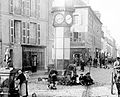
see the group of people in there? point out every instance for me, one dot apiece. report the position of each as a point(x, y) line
point(19, 84)
point(85, 79)
point(52, 79)
point(80, 62)
point(92, 62)
point(70, 78)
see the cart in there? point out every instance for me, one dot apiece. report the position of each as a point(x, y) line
point(7, 83)
point(113, 80)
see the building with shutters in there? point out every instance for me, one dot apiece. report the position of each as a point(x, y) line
point(85, 33)
point(24, 32)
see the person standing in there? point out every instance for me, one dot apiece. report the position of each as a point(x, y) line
point(90, 61)
point(23, 83)
point(117, 81)
point(82, 65)
point(95, 62)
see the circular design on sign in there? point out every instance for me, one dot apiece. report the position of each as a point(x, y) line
point(59, 18)
point(68, 19)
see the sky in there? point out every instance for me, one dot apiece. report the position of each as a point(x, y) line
point(110, 15)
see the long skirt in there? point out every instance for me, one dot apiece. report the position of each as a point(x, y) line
point(118, 87)
point(24, 89)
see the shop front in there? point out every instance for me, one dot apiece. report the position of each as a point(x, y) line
point(33, 58)
point(78, 53)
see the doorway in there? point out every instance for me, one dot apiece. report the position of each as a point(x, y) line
point(34, 63)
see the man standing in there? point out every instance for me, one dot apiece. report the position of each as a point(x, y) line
point(117, 81)
point(82, 65)
point(90, 61)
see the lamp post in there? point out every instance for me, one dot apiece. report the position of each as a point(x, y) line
point(62, 21)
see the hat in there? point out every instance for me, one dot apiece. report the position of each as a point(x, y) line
point(87, 73)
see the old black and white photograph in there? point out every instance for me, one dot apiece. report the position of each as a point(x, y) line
point(59, 48)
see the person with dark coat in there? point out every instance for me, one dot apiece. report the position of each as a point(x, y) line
point(95, 62)
point(52, 78)
point(117, 81)
point(87, 79)
point(81, 79)
point(90, 61)
point(82, 65)
point(23, 83)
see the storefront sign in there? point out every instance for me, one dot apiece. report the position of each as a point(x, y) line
point(26, 49)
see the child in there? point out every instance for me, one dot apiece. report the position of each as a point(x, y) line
point(52, 79)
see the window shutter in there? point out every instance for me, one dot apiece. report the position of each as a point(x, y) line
point(28, 33)
point(11, 6)
point(11, 31)
point(38, 34)
point(27, 8)
point(23, 32)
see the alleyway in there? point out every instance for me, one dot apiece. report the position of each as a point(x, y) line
point(102, 87)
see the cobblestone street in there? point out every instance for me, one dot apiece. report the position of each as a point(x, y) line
point(102, 86)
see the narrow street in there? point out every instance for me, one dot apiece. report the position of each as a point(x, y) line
point(102, 86)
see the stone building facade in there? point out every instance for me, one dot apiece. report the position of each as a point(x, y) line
point(85, 33)
point(24, 32)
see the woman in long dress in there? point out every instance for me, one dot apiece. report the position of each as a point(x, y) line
point(23, 84)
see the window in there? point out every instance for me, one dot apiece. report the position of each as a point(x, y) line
point(76, 19)
point(11, 31)
point(76, 35)
point(26, 7)
point(70, 39)
point(38, 8)
point(23, 32)
point(33, 33)
point(33, 8)
point(79, 39)
point(79, 34)
point(11, 6)
point(38, 33)
point(18, 7)
point(17, 31)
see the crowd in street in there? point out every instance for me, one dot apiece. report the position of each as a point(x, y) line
point(70, 76)
point(101, 62)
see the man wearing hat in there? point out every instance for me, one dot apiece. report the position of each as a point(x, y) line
point(87, 79)
point(117, 81)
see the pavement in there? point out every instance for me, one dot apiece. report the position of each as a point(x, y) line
point(101, 88)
